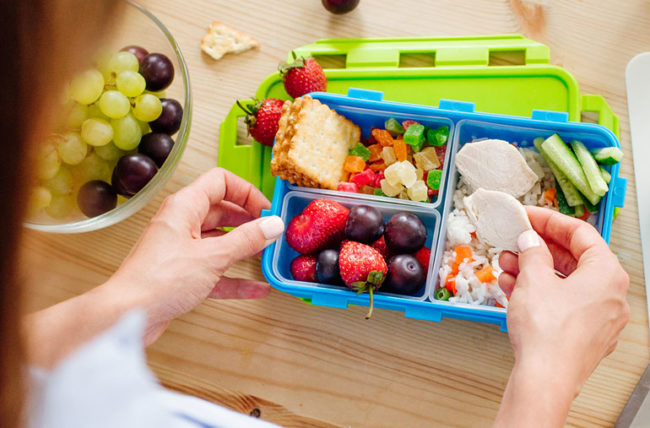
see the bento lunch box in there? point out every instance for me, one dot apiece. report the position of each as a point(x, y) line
point(367, 109)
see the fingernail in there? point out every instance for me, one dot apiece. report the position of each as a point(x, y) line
point(272, 227)
point(528, 239)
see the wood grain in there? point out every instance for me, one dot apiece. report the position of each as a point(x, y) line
point(301, 365)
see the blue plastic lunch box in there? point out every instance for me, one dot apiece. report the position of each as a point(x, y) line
point(367, 109)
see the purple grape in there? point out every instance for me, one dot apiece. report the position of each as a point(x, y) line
point(133, 172)
point(405, 233)
point(157, 146)
point(170, 119)
point(138, 51)
point(365, 224)
point(327, 267)
point(117, 186)
point(157, 70)
point(405, 275)
point(96, 197)
point(340, 6)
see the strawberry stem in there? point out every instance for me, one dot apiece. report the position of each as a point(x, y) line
point(371, 302)
point(246, 110)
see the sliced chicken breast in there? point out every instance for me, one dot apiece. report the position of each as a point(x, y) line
point(495, 165)
point(499, 218)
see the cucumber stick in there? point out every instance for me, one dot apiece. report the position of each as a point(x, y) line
point(566, 162)
point(606, 175)
point(569, 191)
point(562, 204)
point(590, 168)
point(608, 155)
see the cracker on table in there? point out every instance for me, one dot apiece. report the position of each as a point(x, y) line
point(221, 39)
point(312, 143)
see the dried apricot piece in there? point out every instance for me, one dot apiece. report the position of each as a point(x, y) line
point(354, 164)
point(383, 137)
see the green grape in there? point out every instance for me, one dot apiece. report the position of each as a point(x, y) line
point(92, 168)
point(77, 114)
point(71, 148)
point(126, 132)
point(123, 61)
point(60, 206)
point(144, 127)
point(114, 104)
point(62, 183)
point(130, 83)
point(96, 132)
point(147, 108)
point(159, 94)
point(48, 161)
point(86, 87)
point(39, 199)
point(109, 152)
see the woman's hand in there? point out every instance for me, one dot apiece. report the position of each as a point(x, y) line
point(179, 261)
point(560, 328)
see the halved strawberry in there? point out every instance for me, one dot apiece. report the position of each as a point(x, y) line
point(320, 225)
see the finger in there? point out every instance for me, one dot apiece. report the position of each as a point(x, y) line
point(562, 259)
point(507, 283)
point(190, 206)
point(226, 214)
point(575, 235)
point(244, 241)
point(509, 262)
point(239, 288)
point(534, 256)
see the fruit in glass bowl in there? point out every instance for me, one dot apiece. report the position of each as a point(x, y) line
point(105, 147)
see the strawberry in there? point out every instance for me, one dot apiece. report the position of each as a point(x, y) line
point(302, 76)
point(423, 255)
point(262, 119)
point(320, 225)
point(303, 268)
point(380, 245)
point(362, 268)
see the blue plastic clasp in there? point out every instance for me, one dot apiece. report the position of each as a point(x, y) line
point(265, 213)
point(462, 106)
point(423, 313)
point(550, 116)
point(618, 192)
point(365, 94)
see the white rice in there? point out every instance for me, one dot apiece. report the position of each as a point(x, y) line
point(460, 232)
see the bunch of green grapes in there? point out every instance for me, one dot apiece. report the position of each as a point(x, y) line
point(108, 112)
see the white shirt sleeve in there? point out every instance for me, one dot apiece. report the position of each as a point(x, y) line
point(107, 384)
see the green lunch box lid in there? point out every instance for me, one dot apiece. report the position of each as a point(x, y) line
point(504, 74)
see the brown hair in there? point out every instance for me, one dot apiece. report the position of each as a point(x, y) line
point(42, 43)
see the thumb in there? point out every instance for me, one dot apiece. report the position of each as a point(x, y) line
point(534, 255)
point(248, 239)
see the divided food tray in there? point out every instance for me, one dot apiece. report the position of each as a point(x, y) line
point(367, 108)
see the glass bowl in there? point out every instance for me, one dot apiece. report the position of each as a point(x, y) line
point(137, 26)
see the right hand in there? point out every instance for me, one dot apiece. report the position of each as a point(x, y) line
point(567, 325)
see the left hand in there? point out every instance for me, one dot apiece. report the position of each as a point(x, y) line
point(181, 259)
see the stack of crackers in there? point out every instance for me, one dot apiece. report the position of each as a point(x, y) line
point(312, 143)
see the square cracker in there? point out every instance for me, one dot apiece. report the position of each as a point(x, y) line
point(312, 143)
point(221, 39)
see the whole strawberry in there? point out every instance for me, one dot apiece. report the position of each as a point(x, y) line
point(262, 119)
point(363, 268)
point(302, 76)
point(320, 225)
point(303, 268)
point(380, 245)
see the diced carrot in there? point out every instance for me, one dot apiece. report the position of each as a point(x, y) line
point(586, 215)
point(400, 149)
point(450, 284)
point(354, 164)
point(499, 305)
point(454, 268)
point(375, 152)
point(550, 195)
point(486, 274)
point(463, 254)
point(382, 137)
point(377, 166)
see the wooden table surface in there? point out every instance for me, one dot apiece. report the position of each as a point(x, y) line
point(303, 366)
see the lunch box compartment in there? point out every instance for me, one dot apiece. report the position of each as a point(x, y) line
point(367, 119)
point(294, 202)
